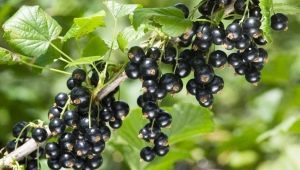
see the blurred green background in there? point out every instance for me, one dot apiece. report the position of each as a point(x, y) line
point(256, 127)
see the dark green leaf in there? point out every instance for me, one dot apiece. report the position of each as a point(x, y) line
point(120, 10)
point(50, 55)
point(95, 47)
point(285, 8)
point(84, 60)
point(170, 19)
point(31, 30)
point(85, 25)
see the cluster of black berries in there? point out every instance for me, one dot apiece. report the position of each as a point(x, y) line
point(21, 131)
point(81, 125)
point(243, 35)
point(155, 87)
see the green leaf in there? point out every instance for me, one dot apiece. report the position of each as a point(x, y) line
point(291, 125)
point(168, 161)
point(291, 9)
point(266, 6)
point(50, 55)
point(119, 10)
point(188, 121)
point(128, 35)
point(85, 25)
point(95, 47)
point(170, 19)
point(31, 30)
point(7, 57)
point(84, 60)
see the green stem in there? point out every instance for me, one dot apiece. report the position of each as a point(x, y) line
point(246, 10)
point(40, 67)
point(61, 52)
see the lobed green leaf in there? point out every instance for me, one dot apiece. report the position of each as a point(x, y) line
point(119, 10)
point(30, 30)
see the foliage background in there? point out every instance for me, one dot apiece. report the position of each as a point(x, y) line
point(255, 127)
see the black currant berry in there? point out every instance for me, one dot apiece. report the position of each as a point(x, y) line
point(32, 165)
point(204, 74)
point(150, 110)
point(243, 42)
point(52, 150)
point(260, 40)
point(95, 162)
point(147, 154)
point(39, 134)
point(182, 69)
point(160, 93)
point(252, 76)
point(66, 142)
point(19, 129)
point(57, 126)
point(163, 119)
point(116, 123)
point(171, 83)
point(81, 147)
point(136, 54)
point(217, 58)
point(93, 135)
point(80, 96)
point(71, 83)
point(106, 114)
point(234, 31)
point(170, 55)
point(235, 60)
point(256, 12)
point(216, 85)
point(191, 86)
point(98, 147)
point(149, 69)
point(70, 118)
point(120, 109)
point(218, 35)
point(61, 99)
point(241, 70)
point(67, 160)
point(132, 70)
point(161, 150)
point(54, 112)
point(239, 6)
point(161, 140)
point(54, 164)
point(204, 97)
point(279, 22)
point(183, 8)
point(79, 75)
point(153, 53)
point(150, 86)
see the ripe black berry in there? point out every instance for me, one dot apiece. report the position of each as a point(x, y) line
point(136, 54)
point(182, 69)
point(150, 110)
point(170, 55)
point(120, 109)
point(235, 60)
point(53, 164)
point(116, 123)
point(39, 134)
point(132, 70)
point(67, 160)
point(149, 69)
point(171, 83)
point(52, 150)
point(79, 75)
point(215, 85)
point(70, 118)
point(93, 135)
point(19, 129)
point(61, 99)
point(153, 53)
point(57, 126)
point(147, 154)
point(252, 76)
point(161, 150)
point(164, 119)
point(191, 86)
point(66, 142)
point(234, 31)
point(204, 74)
point(217, 58)
point(81, 147)
point(279, 22)
point(54, 112)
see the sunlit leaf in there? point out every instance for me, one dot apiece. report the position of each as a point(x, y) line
point(84, 60)
point(120, 10)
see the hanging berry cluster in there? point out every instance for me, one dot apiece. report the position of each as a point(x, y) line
point(192, 51)
point(80, 125)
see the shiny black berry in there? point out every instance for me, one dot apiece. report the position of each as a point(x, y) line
point(170, 55)
point(61, 99)
point(149, 69)
point(234, 31)
point(204, 74)
point(54, 112)
point(57, 126)
point(182, 69)
point(279, 22)
point(132, 70)
point(153, 53)
point(70, 118)
point(183, 8)
point(120, 109)
point(79, 75)
point(147, 154)
point(19, 129)
point(39, 134)
point(217, 58)
point(52, 150)
point(136, 54)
